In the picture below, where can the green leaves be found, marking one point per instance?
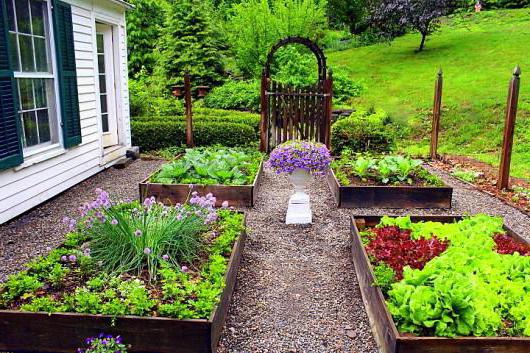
(216, 165)
(393, 169)
(469, 290)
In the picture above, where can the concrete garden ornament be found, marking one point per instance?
(300, 159)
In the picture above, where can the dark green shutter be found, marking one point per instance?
(64, 43)
(10, 146)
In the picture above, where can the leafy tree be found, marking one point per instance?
(189, 43)
(393, 17)
(144, 26)
(348, 13)
(256, 25)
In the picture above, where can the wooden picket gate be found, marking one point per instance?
(289, 113)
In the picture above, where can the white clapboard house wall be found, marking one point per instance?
(64, 104)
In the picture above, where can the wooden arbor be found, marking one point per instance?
(289, 113)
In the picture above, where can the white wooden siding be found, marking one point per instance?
(28, 185)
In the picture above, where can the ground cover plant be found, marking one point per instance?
(400, 81)
(211, 166)
(365, 169)
(128, 258)
(467, 278)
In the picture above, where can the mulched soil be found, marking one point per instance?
(41, 229)
(486, 180)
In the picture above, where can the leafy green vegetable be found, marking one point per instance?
(469, 290)
(396, 170)
(206, 166)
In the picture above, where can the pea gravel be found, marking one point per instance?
(41, 229)
(297, 290)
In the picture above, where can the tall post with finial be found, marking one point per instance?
(189, 114)
(509, 128)
(436, 113)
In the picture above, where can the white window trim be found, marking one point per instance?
(42, 152)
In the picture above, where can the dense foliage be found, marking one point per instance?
(291, 155)
(190, 44)
(144, 27)
(351, 14)
(206, 166)
(470, 289)
(393, 17)
(149, 96)
(256, 25)
(363, 131)
(236, 95)
(352, 168)
(80, 277)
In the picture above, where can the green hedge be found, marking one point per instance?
(210, 115)
(363, 131)
(155, 134)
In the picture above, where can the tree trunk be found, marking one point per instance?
(423, 38)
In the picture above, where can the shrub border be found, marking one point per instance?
(64, 332)
(388, 338)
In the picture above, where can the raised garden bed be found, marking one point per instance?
(389, 339)
(52, 331)
(370, 192)
(173, 193)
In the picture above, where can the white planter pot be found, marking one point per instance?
(299, 210)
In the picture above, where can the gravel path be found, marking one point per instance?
(297, 290)
(41, 229)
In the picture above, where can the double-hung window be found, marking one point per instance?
(30, 53)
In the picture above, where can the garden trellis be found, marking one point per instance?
(289, 112)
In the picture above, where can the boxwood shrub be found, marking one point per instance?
(363, 131)
(158, 133)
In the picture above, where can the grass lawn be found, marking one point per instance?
(477, 53)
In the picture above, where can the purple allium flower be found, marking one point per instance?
(150, 201)
(190, 186)
(72, 258)
(138, 233)
(147, 251)
(184, 269)
(224, 204)
(165, 257)
(118, 339)
(86, 252)
(114, 221)
(64, 258)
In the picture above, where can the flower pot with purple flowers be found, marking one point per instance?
(300, 159)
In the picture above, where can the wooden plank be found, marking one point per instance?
(189, 113)
(509, 129)
(264, 122)
(383, 326)
(407, 197)
(171, 194)
(436, 113)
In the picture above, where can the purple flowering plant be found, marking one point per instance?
(291, 155)
(126, 237)
(103, 343)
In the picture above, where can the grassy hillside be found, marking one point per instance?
(477, 53)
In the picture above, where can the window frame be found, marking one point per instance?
(53, 97)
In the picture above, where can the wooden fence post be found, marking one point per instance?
(436, 113)
(509, 128)
(328, 90)
(264, 122)
(189, 113)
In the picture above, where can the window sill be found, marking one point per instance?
(49, 152)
